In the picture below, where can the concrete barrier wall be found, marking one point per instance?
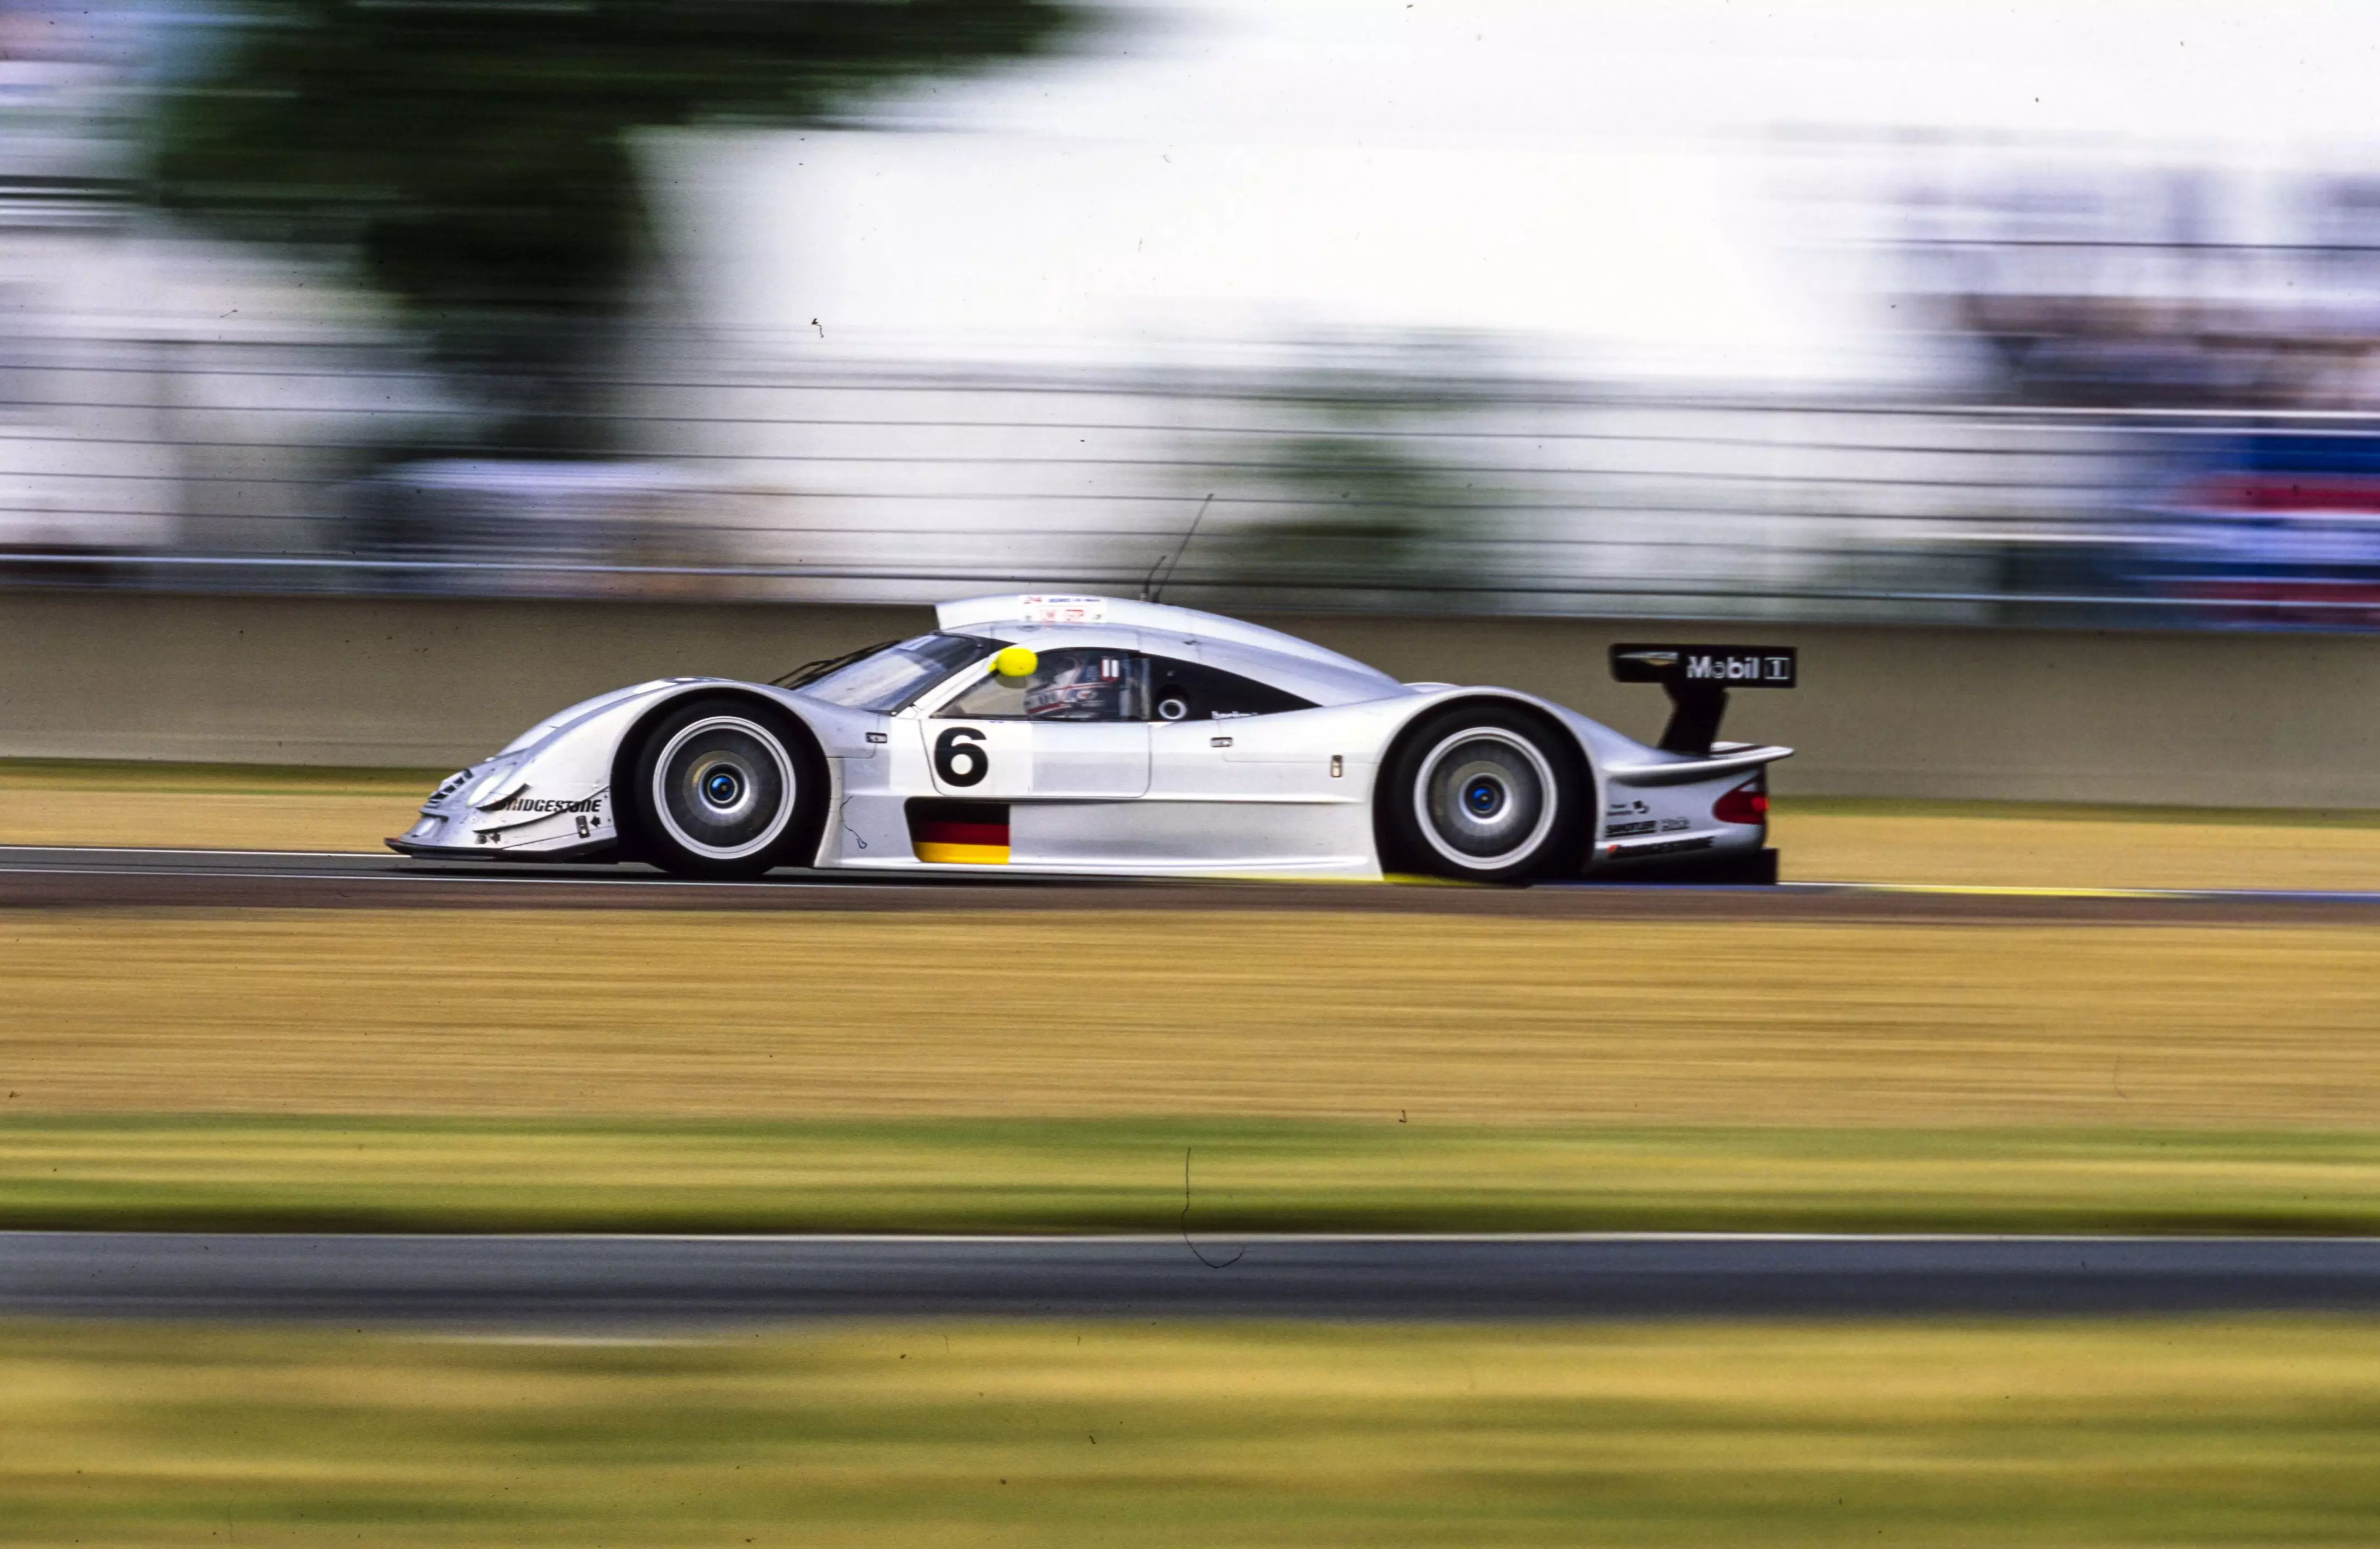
(2209, 719)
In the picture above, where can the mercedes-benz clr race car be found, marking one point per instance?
(1084, 734)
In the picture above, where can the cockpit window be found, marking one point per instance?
(1092, 683)
(1193, 692)
(895, 675)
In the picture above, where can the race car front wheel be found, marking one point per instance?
(1482, 793)
(722, 788)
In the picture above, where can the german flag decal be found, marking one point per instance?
(959, 833)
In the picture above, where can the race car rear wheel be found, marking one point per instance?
(1484, 793)
(723, 788)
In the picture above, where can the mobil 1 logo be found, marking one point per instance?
(1738, 666)
(1714, 666)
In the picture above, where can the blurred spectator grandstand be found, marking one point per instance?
(2235, 327)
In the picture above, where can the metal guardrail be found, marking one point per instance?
(353, 576)
(318, 466)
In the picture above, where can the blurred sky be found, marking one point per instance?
(1614, 190)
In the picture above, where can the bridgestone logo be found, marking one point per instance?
(548, 804)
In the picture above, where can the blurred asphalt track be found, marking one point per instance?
(596, 1280)
(65, 878)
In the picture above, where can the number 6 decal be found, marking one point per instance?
(959, 757)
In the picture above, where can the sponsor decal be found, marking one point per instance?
(540, 805)
(1661, 846)
(1746, 668)
(1675, 825)
(1065, 610)
(1717, 666)
(1621, 830)
(1622, 808)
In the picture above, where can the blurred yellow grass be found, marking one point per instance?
(1298, 1015)
(176, 806)
(2015, 846)
(152, 819)
(2063, 1433)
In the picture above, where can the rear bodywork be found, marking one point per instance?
(1288, 794)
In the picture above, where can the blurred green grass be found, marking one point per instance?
(956, 1175)
(2202, 1432)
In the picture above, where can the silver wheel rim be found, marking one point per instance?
(724, 787)
(1485, 834)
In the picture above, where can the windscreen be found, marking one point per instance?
(898, 674)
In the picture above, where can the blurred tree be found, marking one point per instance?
(1358, 508)
(476, 156)
(1356, 489)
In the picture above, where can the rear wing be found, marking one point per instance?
(1698, 678)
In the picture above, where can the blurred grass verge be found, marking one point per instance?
(2153, 1432)
(2017, 844)
(552, 1014)
(1129, 1176)
(47, 802)
(207, 805)
(501, 1068)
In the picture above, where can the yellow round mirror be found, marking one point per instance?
(1015, 662)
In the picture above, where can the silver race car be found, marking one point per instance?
(1087, 734)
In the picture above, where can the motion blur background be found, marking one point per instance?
(379, 375)
(2036, 314)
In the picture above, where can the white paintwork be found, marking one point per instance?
(1676, 770)
(1281, 795)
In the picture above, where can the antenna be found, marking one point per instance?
(1153, 588)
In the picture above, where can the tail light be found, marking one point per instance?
(1747, 804)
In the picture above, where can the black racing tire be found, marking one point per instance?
(724, 787)
(1483, 792)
